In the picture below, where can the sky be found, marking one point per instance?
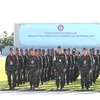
(47, 11)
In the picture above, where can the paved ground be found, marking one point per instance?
(45, 95)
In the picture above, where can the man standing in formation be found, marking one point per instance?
(35, 66)
(11, 68)
(85, 68)
(60, 68)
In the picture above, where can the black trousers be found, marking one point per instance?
(76, 73)
(94, 74)
(60, 77)
(11, 82)
(19, 77)
(44, 75)
(24, 75)
(33, 78)
(85, 79)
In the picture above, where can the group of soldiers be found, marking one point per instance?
(38, 66)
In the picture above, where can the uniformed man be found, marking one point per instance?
(98, 69)
(85, 69)
(23, 65)
(69, 72)
(95, 63)
(41, 65)
(33, 68)
(60, 68)
(20, 67)
(39, 71)
(25, 62)
(76, 66)
(11, 68)
(45, 65)
(50, 65)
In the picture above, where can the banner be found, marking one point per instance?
(70, 34)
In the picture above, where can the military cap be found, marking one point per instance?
(17, 49)
(43, 50)
(74, 49)
(21, 49)
(59, 46)
(52, 49)
(68, 49)
(11, 49)
(26, 49)
(39, 49)
(32, 48)
(90, 49)
(84, 49)
(65, 50)
(36, 50)
(93, 48)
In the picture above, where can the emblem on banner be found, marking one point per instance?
(60, 27)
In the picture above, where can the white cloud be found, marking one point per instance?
(42, 11)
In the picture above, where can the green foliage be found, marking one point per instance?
(6, 40)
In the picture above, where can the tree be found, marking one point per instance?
(6, 40)
(5, 34)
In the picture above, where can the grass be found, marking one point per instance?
(49, 86)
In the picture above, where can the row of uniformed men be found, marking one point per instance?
(35, 65)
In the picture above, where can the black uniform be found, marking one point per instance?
(60, 65)
(50, 67)
(76, 68)
(69, 67)
(44, 74)
(32, 66)
(19, 70)
(95, 70)
(11, 68)
(85, 67)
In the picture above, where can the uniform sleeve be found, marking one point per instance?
(27, 64)
(65, 65)
(91, 62)
(47, 59)
(16, 63)
(80, 63)
(97, 62)
(41, 63)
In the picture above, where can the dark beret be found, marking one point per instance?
(93, 48)
(11, 49)
(59, 46)
(74, 49)
(36, 50)
(65, 50)
(21, 49)
(84, 49)
(26, 49)
(32, 48)
(17, 49)
(43, 50)
(39, 49)
(68, 49)
(52, 49)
